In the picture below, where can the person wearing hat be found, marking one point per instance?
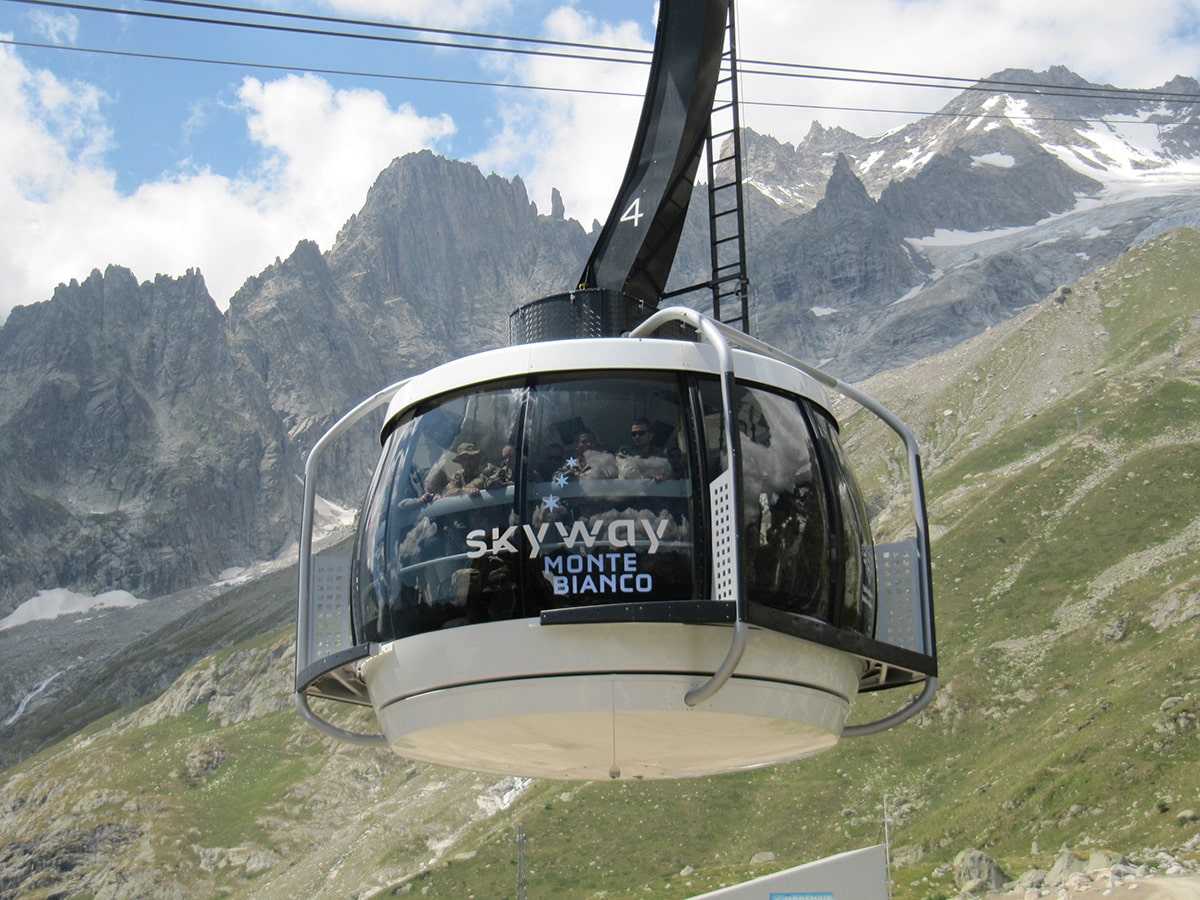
(472, 478)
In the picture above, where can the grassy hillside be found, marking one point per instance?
(1062, 456)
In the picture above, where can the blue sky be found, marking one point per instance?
(162, 166)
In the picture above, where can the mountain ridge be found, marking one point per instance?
(432, 265)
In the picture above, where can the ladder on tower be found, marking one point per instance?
(726, 212)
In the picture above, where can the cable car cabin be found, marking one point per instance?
(628, 557)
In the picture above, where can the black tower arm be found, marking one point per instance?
(636, 247)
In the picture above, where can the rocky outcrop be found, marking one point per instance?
(959, 192)
(245, 685)
(62, 861)
(462, 250)
(1076, 871)
(428, 270)
(139, 453)
(977, 873)
(821, 278)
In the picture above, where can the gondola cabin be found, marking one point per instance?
(642, 556)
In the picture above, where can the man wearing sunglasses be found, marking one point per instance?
(642, 458)
(641, 437)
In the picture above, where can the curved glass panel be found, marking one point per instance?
(570, 490)
(511, 499)
(856, 550)
(786, 528)
(445, 475)
(609, 500)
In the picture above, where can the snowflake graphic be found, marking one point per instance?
(560, 480)
(550, 502)
(572, 462)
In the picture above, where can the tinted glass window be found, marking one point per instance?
(712, 418)
(575, 491)
(785, 535)
(609, 499)
(446, 475)
(856, 551)
(502, 503)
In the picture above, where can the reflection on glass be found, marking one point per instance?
(786, 535)
(570, 490)
(612, 521)
(444, 475)
(502, 502)
(857, 549)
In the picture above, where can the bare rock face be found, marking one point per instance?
(48, 863)
(845, 264)
(247, 684)
(151, 441)
(428, 270)
(138, 451)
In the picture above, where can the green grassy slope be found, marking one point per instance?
(1062, 456)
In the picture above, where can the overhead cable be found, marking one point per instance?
(639, 57)
(991, 86)
(423, 29)
(319, 71)
(466, 82)
(960, 83)
(321, 32)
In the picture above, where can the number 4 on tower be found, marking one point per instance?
(634, 212)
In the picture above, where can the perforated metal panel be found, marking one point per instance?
(724, 537)
(577, 314)
(900, 621)
(329, 625)
(585, 314)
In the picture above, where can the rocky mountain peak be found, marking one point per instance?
(844, 192)
(98, 315)
(1055, 76)
(125, 424)
(1181, 84)
(437, 233)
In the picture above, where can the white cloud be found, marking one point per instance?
(326, 147)
(578, 143)
(58, 28)
(1125, 44)
(64, 216)
(434, 13)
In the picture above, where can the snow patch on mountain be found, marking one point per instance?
(998, 160)
(60, 602)
(1122, 150)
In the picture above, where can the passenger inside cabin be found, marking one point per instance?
(475, 475)
(508, 462)
(676, 459)
(642, 459)
(585, 441)
(438, 477)
(641, 437)
(588, 459)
